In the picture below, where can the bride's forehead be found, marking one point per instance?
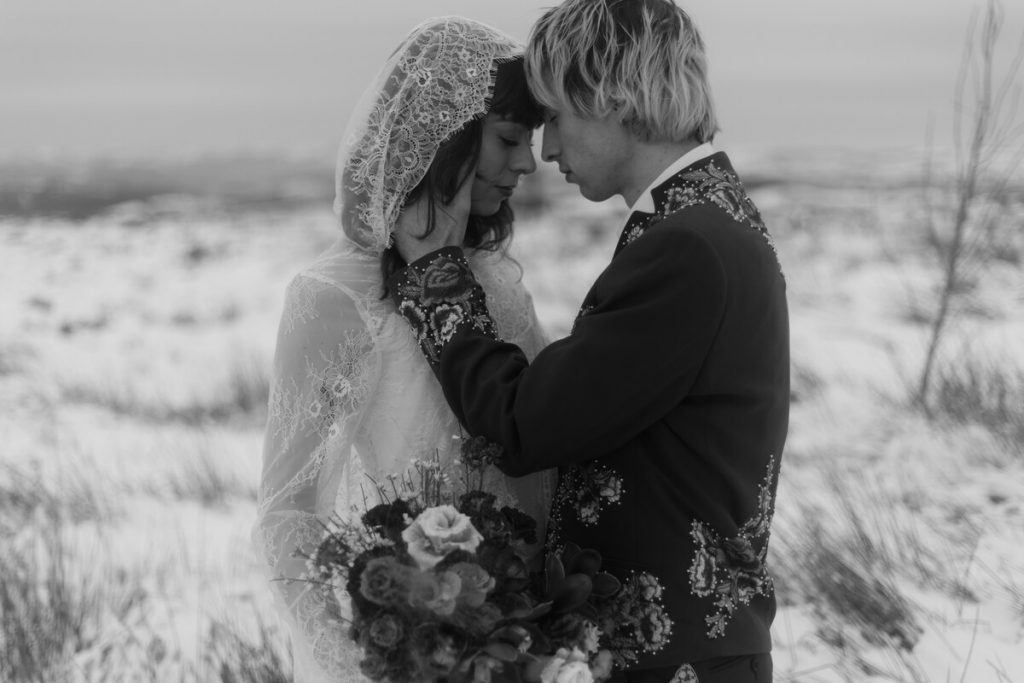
(504, 121)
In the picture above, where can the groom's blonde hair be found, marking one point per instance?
(640, 59)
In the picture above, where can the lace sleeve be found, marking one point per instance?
(322, 369)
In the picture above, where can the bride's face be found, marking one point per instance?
(505, 155)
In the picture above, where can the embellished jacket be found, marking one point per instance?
(666, 410)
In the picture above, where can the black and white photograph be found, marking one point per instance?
(478, 341)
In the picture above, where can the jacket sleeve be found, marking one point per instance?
(630, 359)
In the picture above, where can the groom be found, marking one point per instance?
(666, 409)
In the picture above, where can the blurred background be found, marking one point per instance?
(167, 167)
(145, 79)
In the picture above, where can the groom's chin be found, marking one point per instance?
(592, 194)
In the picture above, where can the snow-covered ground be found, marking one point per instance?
(134, 347)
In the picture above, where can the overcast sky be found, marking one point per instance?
(146, 78)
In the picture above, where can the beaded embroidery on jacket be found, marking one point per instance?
(707, 183)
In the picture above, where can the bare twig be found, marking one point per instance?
(984, 123)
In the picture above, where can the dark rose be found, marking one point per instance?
(476, 584)
(483, 619)
(437, 648)
(355, 576)
(386, 630)
(507, 568)
(494, 526)
(445, 280)
(478, 452)
(384, 581)
(388, 519)
(524, 527)
(475, 502)
(374, 667)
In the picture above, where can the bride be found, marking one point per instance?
(352, 396)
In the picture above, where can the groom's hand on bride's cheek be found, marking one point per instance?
(450, 222)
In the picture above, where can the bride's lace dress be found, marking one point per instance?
(351, 398)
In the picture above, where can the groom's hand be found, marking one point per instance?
(450, 222)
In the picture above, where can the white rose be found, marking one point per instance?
(567, 666)
(575, 672)
(591, 637)
(437, 532)
(602, 665)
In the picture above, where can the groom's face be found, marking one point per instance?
(593, 153)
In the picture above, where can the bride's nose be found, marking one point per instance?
(522, 160)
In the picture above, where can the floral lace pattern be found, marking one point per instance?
(708, 183)
(438, 298)
(732, 570)
(351, 397)
(438, 79)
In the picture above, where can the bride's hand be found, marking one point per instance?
(449, 223)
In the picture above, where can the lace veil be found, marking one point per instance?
(438, 79)
(351, 396)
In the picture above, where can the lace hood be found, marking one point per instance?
(440, 78)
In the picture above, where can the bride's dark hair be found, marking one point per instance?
(510, 98)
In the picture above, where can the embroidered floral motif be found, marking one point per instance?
(588, 489)
(685, 674)
(732, 570)
(438, 299)
(642, 624)
(637, 225)
(709, 183)
(584, 309)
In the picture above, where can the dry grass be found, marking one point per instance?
(65, 619)
(200, 476)
(241, 397)
(237, 658)
(26, 494)
(50, 606)
(983, 391)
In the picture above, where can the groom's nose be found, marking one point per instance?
(550, 147)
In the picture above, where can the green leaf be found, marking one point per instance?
(605, 585)
(577, 590)
(502, 651)
(554, 575)
(585, 562)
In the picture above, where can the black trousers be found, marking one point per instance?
(743, 669)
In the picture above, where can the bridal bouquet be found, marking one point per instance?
(440, 589)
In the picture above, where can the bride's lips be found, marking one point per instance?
(506, 190)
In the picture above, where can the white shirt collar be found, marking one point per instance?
(646, 201)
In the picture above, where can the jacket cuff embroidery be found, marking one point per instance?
(439, 296)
